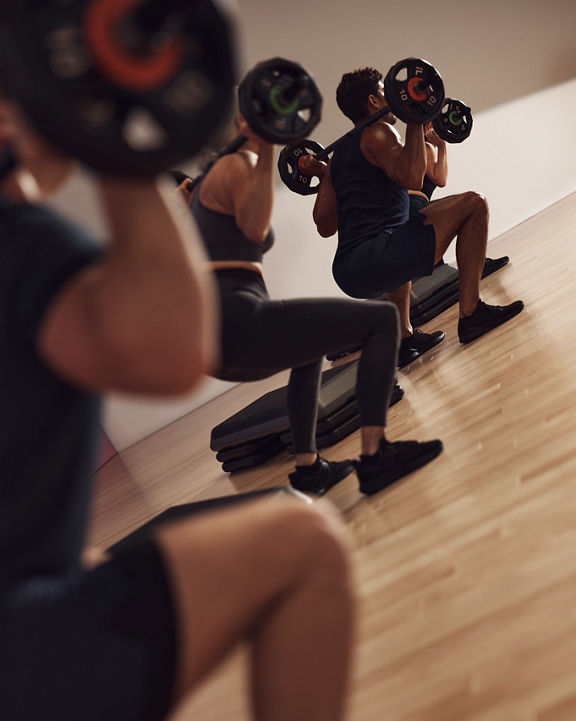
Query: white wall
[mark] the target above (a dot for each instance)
(520, 162)
(522, 155)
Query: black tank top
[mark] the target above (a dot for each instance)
(368, 201)
(428, 187)
(223, 238)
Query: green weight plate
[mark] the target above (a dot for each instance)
(280, 101)
(454, 123)
(120, 112)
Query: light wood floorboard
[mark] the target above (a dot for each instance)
(467, 568)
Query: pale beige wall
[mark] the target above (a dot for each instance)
(487, 51)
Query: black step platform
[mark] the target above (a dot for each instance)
(261, 430)
(268, 415)
(434, 293)
(258, 445)
(431, 295)
(349, 421)
(256, 457)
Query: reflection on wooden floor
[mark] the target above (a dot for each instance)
(467, 568)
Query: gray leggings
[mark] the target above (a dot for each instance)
(260, 337)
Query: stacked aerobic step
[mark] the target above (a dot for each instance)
(431, 295)
(261, 430)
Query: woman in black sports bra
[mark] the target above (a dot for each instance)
(232, 206)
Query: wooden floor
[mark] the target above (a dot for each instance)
(466, 569)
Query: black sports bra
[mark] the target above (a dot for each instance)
(223, 238)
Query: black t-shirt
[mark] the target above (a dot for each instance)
(47, 427)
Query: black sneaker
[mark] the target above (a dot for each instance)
(396, 395)
(485, 318)
(393, 461)
(417, 344)
(321, 476)
(493, 264)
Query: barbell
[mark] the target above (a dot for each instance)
(126, 87)
(279, 100)
(135, 87)
(415, 94)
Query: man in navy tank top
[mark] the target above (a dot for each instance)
(363, 194)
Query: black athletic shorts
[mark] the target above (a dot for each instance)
(393, 257)
(95, 645)
(417, 203)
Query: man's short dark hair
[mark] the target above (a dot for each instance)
(353, 91)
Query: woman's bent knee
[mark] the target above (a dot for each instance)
(386, 314)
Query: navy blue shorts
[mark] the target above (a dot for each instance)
(91, 646)
(393, 257)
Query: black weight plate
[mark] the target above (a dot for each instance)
(290, 171)
(414, 90)
(280, 101)
(454, 123)
(90, 96)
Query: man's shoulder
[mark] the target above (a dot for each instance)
(379, 132)
(39, 242)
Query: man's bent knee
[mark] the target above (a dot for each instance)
(310, 522)
(315, 533)
(476, 202)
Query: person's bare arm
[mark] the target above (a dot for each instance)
(405, 164)
(249, 183)
(325, 213)
(436, 159)
(140, 320)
